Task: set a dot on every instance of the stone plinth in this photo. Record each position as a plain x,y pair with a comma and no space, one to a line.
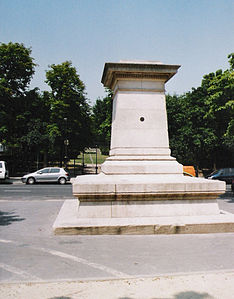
139,137
141,188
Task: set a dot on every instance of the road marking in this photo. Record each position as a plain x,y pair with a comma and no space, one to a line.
74,258
98,266
16,190
19,272
55,199
6,241
84,262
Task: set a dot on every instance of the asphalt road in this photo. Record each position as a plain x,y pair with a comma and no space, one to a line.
20,191
29,251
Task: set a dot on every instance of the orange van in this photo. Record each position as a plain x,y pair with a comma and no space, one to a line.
189,170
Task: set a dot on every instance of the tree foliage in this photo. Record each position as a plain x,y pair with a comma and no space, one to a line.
101,119
16,70
201,122
220,99
32,123
69,109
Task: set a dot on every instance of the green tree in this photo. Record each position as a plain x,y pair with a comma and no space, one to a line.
33,122
69,110
179,128
219,98
16,71
16,68
201,122
101,119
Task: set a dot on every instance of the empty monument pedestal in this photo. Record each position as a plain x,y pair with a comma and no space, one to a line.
141,188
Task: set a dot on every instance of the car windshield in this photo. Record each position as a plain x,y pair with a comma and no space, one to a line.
214,172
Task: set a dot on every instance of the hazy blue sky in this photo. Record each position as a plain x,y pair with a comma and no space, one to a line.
197,34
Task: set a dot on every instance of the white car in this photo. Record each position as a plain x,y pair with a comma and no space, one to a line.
4,174
48,174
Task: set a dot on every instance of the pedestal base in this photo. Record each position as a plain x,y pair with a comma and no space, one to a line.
145,187
143,204
146,208
68,223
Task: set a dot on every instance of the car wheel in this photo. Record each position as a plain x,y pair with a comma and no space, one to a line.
62,181
30,181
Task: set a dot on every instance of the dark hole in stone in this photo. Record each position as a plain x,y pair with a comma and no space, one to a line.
142,119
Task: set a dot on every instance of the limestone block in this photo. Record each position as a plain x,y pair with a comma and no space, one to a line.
123,209
131,152
139,120
140,84
94,210
152,187
93,184
142,167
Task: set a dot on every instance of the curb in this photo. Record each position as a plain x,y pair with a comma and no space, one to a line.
204,285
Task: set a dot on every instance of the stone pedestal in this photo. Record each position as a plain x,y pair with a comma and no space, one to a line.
139,137
141,188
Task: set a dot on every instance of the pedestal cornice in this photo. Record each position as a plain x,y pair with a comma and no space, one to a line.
136,71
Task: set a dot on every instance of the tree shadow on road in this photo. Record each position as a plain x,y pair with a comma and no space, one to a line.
61,297
7,218
182,295
192,295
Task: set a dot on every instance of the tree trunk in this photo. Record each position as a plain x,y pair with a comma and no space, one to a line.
45,158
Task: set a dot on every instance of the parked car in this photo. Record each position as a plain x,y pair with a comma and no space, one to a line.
4,174
48,174
232,186
223,174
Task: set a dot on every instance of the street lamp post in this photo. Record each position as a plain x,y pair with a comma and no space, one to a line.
96,168
66,143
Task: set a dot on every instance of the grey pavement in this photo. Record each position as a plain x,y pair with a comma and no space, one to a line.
35,192
159,266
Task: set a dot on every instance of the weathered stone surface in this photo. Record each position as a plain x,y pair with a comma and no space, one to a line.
149,187
146,208
67,223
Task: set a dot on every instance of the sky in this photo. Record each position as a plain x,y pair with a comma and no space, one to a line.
196,34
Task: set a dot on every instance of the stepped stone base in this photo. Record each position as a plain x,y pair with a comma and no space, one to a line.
68,223
143,204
